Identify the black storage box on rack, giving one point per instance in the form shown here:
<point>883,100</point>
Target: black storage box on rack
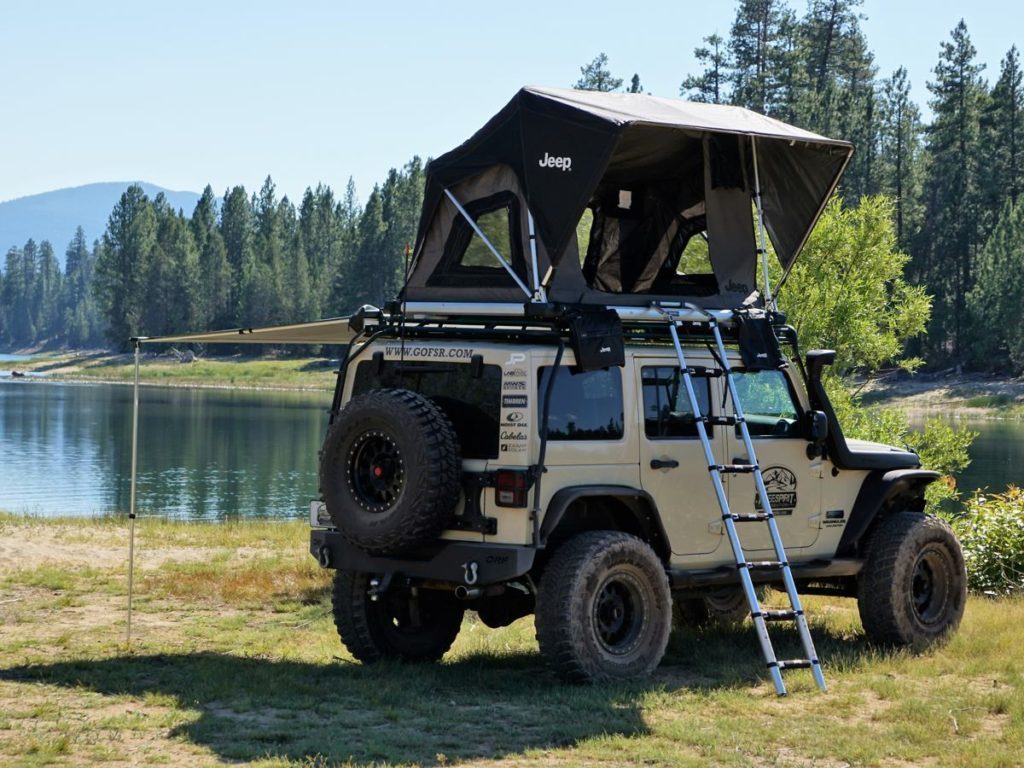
<point>596,338</point>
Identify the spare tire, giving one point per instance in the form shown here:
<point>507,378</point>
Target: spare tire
<point>390,471</point>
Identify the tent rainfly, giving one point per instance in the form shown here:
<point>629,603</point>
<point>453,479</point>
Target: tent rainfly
<point>502,212</point>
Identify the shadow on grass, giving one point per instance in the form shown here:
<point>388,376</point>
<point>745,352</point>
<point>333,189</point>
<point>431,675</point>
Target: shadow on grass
<point>479,706</point>
<point>483,705</point>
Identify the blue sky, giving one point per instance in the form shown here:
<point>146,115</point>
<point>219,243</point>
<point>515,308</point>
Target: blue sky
<point>186,93</point>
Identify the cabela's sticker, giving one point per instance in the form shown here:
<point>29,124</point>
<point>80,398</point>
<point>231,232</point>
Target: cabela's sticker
<point>780,483</point>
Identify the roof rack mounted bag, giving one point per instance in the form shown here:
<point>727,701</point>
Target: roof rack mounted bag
<point>759,346</point>
<point>596,338</point>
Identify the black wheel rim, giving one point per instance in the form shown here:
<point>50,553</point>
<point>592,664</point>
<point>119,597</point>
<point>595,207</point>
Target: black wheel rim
<point>930,590</point>
<point>376,473</point>
<point>619,614</point>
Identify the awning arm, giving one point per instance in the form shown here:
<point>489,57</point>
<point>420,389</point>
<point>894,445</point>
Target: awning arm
<point>491,248</point>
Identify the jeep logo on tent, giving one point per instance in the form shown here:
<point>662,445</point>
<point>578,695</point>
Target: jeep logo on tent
<point>562,163</point>
<point>781,486</point>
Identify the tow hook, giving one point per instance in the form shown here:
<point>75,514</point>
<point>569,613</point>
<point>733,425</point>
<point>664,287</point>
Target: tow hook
<point>323,555</point>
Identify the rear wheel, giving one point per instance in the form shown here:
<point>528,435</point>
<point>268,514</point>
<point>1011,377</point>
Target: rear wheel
<point>403,623</point>
<point>913,587</point>
<point>719,607</point>
<point>604,610</point>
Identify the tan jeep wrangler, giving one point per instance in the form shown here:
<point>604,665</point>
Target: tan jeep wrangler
<point>434,503</point>
<point>578,406</point>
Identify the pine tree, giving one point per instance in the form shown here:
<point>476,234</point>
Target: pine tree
<point>595,76</point>
<point>754,51</point>
<point>47,298</point>
<point>1003,135</point>
<point>365,282</point>
<point>122,265</point>
<point>953,211</point>
<point>996,299</point>
<point>215,308</point>
<point>900,152</point>
<point>236,229</point>
<point>634,84</point>
<point>709,85</point>
<point>349,214</point>
<point>80,323</point>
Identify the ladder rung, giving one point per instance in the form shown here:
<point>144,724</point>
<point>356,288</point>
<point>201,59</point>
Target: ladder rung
<point>794,664</point>
<point>703,372</point>
<point>785,615</point>
<point>736,469</point>
<point>757,517</point>
<point>763,565</point>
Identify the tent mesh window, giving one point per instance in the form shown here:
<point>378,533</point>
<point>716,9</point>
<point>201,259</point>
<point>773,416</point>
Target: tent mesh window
<point>467,261</point>
<point>638,239</point>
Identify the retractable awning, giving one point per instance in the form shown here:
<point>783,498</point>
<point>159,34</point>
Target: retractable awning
<point>331,331</point>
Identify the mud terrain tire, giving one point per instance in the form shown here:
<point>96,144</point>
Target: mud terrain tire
<point>604,609</point>
<point>913,586</point>
<point>398,625</point>
<point>389,471</point>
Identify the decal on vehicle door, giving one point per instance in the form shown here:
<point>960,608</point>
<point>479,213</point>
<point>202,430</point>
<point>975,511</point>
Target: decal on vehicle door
<point>780,483</point>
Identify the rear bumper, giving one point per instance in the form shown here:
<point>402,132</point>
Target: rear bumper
<point>457,562</point>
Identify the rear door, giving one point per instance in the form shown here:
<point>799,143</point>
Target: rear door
<point>673,468</point>
<point>793,481</point>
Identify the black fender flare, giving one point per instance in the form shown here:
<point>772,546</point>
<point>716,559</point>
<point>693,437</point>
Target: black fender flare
<point>880,490</point>
<point>639,504</point>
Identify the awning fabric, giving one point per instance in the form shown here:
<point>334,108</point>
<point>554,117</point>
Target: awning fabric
<point>333,331</point>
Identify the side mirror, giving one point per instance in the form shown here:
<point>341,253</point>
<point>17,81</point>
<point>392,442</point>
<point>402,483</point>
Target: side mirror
<point>817,432</point>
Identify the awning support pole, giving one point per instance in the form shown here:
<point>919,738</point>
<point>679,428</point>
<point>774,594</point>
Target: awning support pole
<point>131,498</point>
<point>762,245</point>
<point>493,250</point>
<point>539,293</point>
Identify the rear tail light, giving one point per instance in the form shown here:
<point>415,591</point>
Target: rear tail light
<point>510,488</point>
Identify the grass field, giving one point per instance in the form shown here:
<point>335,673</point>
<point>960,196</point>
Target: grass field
<point>235,660</point>
<point>236,371</point>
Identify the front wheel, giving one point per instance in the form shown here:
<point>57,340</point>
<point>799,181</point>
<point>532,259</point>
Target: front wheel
<point>913,587</point>
<point>403,623</point>
<point>604,609</point>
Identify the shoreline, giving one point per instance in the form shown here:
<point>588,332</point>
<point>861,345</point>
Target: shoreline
<point>966,395</point>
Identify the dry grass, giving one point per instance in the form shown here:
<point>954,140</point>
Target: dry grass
<point>235,660</point>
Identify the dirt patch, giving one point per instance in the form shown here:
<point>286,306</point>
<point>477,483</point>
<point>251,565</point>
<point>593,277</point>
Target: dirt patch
<point>948,391</point>
<point>24,547</point>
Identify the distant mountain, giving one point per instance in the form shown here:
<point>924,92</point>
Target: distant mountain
<point>54,215</point>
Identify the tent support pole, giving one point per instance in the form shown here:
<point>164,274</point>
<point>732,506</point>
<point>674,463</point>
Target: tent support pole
<point>538,290</point>
<point>131,499</point>
<point>762,246</point>
<point>482,236</point>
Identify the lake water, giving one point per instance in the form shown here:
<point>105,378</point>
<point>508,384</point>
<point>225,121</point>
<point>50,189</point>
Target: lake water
<point>205,454</point>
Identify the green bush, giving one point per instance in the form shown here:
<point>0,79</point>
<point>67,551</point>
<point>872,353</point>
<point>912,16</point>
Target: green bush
<point>991,531</point>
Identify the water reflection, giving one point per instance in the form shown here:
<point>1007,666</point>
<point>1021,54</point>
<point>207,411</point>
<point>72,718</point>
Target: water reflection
<point>204,454</point>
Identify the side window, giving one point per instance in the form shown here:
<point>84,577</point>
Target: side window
<point>667,411</point>
<point>584,406</point>
<point>467,261</point>
<point>768,403</point>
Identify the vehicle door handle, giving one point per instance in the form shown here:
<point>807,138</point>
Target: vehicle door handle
<point>664,463</point>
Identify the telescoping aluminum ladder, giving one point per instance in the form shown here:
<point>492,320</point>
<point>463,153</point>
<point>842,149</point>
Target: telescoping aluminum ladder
<point>760,616</point>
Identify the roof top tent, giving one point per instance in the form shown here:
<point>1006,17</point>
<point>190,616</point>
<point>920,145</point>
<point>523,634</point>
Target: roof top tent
<point>499,224</point>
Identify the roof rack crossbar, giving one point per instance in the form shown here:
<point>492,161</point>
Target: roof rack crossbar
<point>490,246</point>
